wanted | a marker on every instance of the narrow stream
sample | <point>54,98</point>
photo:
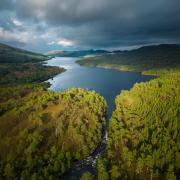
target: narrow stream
<point>106,82</point>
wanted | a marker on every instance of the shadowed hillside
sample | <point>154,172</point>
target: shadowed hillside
<point>10,54</point>
<point>148,59</point>
<point>20,66</point>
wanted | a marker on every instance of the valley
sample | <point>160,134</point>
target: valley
<point>62,122</point>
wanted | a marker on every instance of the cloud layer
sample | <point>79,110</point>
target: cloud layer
<point>81,24</point>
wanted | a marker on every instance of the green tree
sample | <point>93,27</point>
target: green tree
<point>87,176</point>
<point>9,171</point>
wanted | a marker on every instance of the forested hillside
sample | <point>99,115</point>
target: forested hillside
<point>148,59</point>
<point>42,132</point>
<point>20,66</point>
<point>143,135</point>
<point>144,130</point>
<point>10,54</point>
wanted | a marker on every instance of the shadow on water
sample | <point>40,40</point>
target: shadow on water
<point>106,82</point>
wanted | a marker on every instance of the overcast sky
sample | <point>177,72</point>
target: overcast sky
<point>42,25</point>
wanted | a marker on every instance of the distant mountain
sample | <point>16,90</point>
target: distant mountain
<point>117,51</point>
<point>55,53</point>
<point>10,54</point>
<point>82,53</point>
<point>159,49</point>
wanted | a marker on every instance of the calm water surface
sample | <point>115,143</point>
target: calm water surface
<point>106,82</point>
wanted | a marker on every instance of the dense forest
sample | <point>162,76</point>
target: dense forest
<point>20,66</point>
<point>13,73</point>
<point>149,59</point>
<point>143,133</point>
<point>42,132</point>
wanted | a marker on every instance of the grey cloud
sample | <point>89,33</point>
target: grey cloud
<point>103,23</point>
<point>6,4</point>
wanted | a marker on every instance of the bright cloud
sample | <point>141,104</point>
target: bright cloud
<point>51,43</point>
<point>17,36</point>
<point>65,42</point>
<point>17,22</point>
<point>10,36</point>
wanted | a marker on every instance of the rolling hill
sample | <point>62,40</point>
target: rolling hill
<point>148,59</point>
<point>10,54</point>
<point>20,66</point>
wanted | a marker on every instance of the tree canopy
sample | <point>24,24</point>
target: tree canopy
<point>42,132</point>
<point>143,135</point>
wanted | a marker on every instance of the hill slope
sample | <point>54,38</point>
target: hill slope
<point>10,54</point>
<point>143,135</point>
<point>20,66</point>
<point>149,59</point>
<point>43,132</point>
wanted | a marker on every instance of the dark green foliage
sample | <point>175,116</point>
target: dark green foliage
<point>87,176</point>
<point>10,54</point>
<point>149,60</point>
<point>143,139</point>
<point>20,66</point>
<point>102,169</point>
<point>43,132</point>
<point>13,73</point>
